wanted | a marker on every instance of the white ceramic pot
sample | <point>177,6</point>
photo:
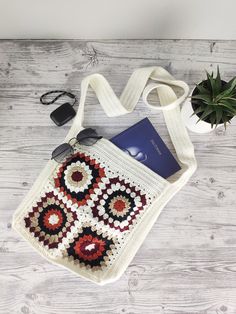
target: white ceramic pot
<point>191,121</point>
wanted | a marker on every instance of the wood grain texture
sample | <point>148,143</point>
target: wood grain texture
<point>187,264</point>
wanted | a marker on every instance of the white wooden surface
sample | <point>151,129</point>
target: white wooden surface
<point>187,264</point>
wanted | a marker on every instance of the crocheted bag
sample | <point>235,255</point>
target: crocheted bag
<point>91,213</point>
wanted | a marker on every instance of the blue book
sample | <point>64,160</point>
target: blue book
<point>142,142</point>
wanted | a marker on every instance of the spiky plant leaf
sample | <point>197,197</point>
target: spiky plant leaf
<point>198,110</point>
<point>212,119</point>
<point>206,113</point>
<point>218,82</point>
<point>231,83</point>
<point>219,115</point>
<point>212,82</point>
<point>202,97</point>
<point>227,105</point>
<point>225,121</point>
<point>203,90</point>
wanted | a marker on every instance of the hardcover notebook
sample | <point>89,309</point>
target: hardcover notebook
<point>142,142</point>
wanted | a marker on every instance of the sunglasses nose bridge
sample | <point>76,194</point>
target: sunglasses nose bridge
<point>73,139</point>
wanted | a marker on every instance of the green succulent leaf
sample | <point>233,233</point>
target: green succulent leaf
<point>231,83</point>
<point>225,121</point>
<point>206,113</point>
<point>223,95</point>
<point>218,82</point>
<point>202,97</point>
<point>198,110</point>
<point>230,98</point>
<point>230,108</point>
<point>212,83</point>
<point>212,119</point>
<point>202,89</point>
<point>219,115</point>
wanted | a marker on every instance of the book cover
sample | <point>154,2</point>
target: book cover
<point>142,142</point>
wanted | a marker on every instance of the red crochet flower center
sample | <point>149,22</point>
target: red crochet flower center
<point>89,247</point>
<point>119,205</point>
<point>77,176</point>
<point>47,219</point>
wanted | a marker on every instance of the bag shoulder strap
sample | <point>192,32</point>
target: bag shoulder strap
<point>136,85</point>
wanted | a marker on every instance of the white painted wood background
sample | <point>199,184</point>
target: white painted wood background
<point>187,264</point>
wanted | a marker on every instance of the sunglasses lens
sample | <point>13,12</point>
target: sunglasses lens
<point>88,137</point>
<point>89,141</point>
<point>86,133</point>
<point>62,152</point>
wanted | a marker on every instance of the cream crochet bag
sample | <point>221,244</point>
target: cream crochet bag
<point>92,213</point>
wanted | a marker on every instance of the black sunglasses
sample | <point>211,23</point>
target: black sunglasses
<point>86,137</point>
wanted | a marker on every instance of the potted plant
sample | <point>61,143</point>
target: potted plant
<point>212,104</point>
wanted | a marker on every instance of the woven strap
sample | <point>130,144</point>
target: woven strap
<point>113,106</point>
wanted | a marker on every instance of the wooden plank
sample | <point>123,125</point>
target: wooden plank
<point>187,264</point>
